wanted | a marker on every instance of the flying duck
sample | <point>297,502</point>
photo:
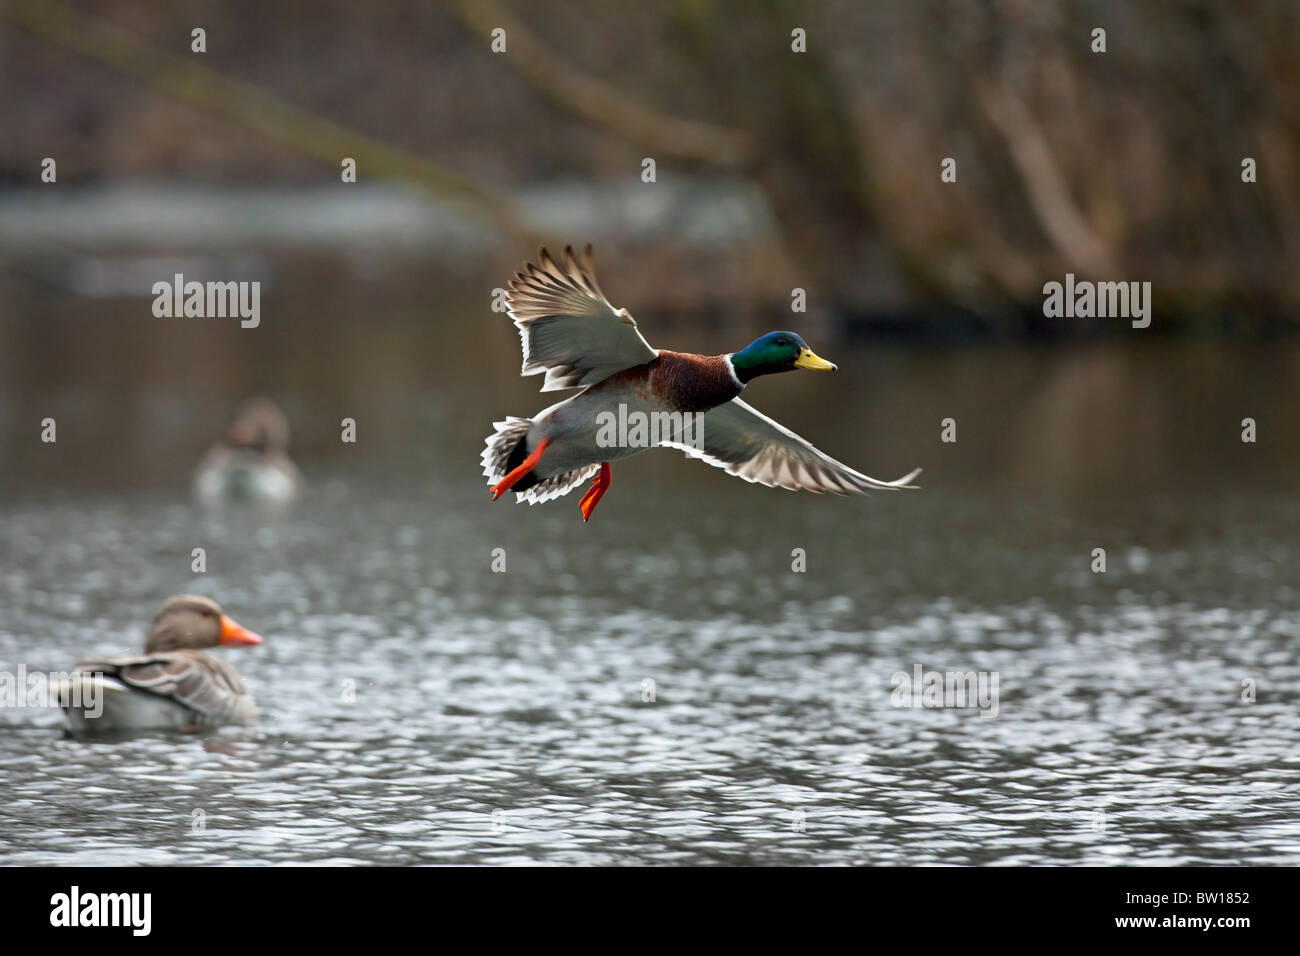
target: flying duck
<point>635,397</point>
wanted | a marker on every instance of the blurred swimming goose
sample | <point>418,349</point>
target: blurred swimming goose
<point>631,393</point>
<point>173,685</point>
<point>251,464</point>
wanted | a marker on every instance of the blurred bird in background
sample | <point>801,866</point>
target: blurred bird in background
<point>251,464</point>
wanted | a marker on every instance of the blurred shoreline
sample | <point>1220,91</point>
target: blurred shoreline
<point>915,168</point>
<point>702,248</point>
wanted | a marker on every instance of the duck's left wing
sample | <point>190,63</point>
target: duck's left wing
<point>750,445</point>
<point>568,328</point>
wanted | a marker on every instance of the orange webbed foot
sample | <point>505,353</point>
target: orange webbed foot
<point>597,490</point>
<point>527,465</point>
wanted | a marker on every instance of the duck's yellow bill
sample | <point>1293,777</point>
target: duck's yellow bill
<point>809,359</point>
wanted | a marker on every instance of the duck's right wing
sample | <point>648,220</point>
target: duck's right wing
<point>746,443</point>
<point>568,328</point>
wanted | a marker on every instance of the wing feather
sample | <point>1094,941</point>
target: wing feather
<point>202,683</point>
<point>744,442</point>
<point>567,327</point>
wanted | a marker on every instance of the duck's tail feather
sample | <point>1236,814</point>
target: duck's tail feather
<point>505,450</point>
<point>501,444</point>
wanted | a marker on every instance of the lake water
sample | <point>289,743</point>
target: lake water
<point>419,707</point>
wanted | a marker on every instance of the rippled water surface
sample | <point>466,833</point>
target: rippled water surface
<point>502,717</point>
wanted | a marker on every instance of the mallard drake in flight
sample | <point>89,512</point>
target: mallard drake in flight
<point>173,685</point>
<point>251,464</point>
<point>571,332</point>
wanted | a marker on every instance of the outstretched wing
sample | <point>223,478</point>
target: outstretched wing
<point>195,680</point>
<point>748,444</point>
<point>567,326</point>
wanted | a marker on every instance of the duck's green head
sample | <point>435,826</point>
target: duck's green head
<point>776,352</point>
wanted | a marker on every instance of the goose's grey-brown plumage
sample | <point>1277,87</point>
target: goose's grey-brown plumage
<point>173,685</point>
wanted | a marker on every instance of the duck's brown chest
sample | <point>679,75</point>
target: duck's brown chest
<point>692,383</point>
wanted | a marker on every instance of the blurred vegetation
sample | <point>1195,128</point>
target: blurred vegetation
<point>1123,165</point>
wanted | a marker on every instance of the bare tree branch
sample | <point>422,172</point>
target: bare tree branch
<point>599,103</point>
<point>1045,186</point>
<point>254,109</point>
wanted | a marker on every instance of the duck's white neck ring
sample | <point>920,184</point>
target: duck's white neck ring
<point>732,369</point>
